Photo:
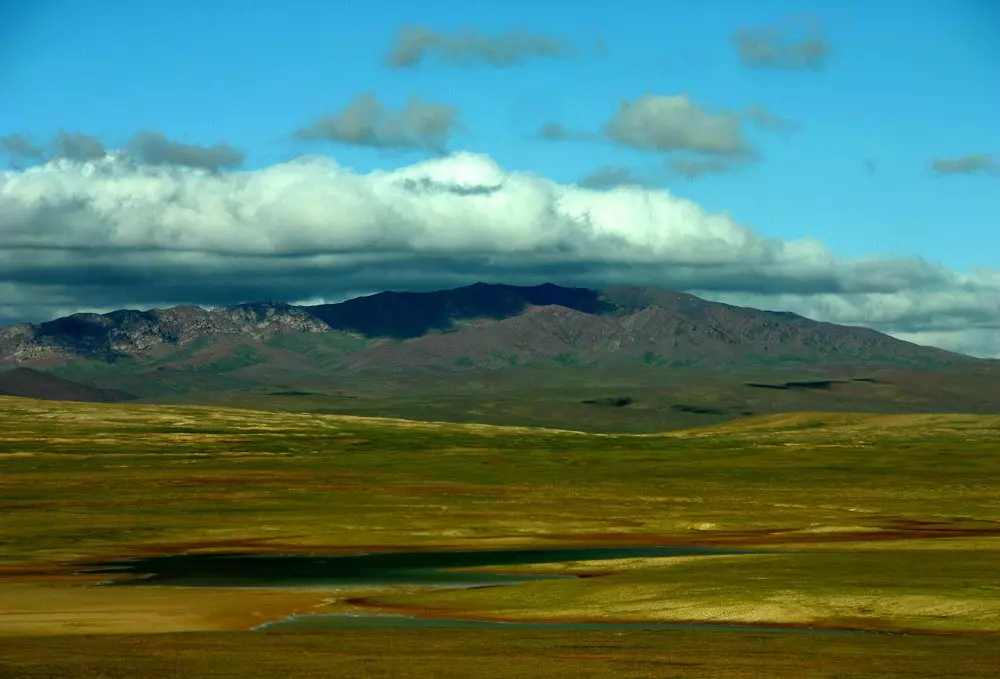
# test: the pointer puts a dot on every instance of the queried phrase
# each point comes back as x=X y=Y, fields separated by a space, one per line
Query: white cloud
x=114 y=233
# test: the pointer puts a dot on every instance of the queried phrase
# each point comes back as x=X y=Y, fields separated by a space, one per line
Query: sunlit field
x=871 y=541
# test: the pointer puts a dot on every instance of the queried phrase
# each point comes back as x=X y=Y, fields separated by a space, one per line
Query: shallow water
x=314 y=623
x=435 y=569
x=426 y=569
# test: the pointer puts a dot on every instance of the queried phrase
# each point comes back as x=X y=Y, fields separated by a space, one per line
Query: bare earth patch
x=33 y=609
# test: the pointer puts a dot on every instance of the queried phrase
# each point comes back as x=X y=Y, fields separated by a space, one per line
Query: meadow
x=883 y=524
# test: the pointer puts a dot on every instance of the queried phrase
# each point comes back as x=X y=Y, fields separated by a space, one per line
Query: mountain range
x=382 y=350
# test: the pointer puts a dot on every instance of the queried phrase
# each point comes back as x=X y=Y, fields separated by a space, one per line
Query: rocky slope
x=129 y=333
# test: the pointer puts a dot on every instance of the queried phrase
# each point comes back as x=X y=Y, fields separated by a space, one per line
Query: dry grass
x=852 y=495
x=41 y=608
x=929 y=591
x=505 y=654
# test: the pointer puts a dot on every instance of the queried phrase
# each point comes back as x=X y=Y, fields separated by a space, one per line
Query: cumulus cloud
x=20 y=147
x=77 y=146
x=367 y=122
x=779 y=48
x=154 y=148
x=415 y=44
x=112 y=233
x=971 y=164
x=675 y=123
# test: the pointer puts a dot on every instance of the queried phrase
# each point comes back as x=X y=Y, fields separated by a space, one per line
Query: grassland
x=497 y=653
x=872 y=522
x=307 y=374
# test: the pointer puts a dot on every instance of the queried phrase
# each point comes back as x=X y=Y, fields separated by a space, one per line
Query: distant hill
x=481 y=323
x=28 y=383
x=625 y=358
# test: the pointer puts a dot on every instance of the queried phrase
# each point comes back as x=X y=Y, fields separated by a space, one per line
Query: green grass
x=870 y=522
x=239 y=357
x=327 y=348
x=668 y=395
x=73 y=474
x=567 y=358
x=867 y=521
x=892 y=589
x=498 y=653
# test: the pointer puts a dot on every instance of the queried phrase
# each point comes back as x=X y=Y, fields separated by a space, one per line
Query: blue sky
x=903 y=83
x=900 y=86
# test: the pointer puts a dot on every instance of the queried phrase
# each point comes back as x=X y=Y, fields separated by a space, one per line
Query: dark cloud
x=600 y=47
x=19 y=146
x=366 y=122
x=695 y=168
x=675 y=123
x=669 y=124
x=313 y=229
x=779 y=48
x=766 y=120
x=559 y=132
x=970 y=164
x=415 y=44
x=77 y=146
x=154 y=148
x=611 y=176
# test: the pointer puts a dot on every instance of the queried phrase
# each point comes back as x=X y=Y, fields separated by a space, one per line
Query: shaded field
x=497 y=653
x=659 y=397
x=872 y=522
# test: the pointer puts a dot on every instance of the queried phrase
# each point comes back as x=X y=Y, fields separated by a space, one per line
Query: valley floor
x=496 y=653
x=885 y=524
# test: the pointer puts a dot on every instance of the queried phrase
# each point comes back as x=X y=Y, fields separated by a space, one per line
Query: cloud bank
x=116 y=233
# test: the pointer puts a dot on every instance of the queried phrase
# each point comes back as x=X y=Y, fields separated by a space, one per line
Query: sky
x=840 y=160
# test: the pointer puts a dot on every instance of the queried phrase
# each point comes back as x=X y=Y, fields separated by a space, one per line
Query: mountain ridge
x=620 y=322
x=621 y=359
